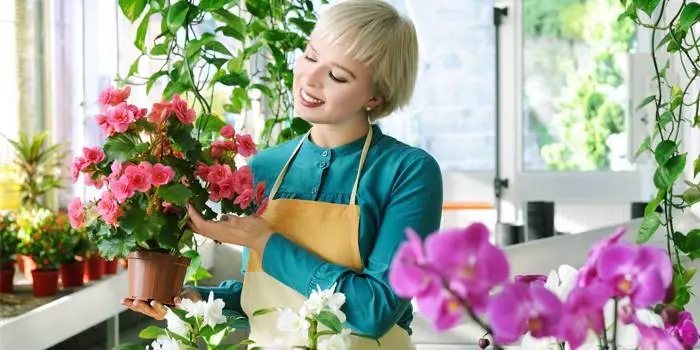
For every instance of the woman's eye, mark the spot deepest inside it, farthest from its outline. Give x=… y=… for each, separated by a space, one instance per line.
x=309 y=58
x=335 y=78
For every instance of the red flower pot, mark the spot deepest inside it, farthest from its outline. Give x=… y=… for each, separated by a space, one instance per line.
x=93 y=269
x=72 y=274
x=45 y=282
x=7 y=273
x=111 y=267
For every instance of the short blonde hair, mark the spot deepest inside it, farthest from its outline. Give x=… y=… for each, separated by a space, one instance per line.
x=376 y=34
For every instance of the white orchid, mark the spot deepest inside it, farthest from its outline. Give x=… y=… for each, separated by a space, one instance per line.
x=562 y=281
x=320 y=299
x=290 y=321
x=213 y=311
x=163 y=342
x=193 y=308
x=177 y=325
x=336 y=342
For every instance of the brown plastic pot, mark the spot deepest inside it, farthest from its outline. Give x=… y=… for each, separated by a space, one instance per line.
x=45 y=282
x=111 y=267
x=72 y=274
x=7 y=273
x=156 y=276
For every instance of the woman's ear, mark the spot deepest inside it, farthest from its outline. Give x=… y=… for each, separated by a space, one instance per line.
x=373 y=102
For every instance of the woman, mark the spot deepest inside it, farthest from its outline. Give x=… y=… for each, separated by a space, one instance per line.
x=343 y=195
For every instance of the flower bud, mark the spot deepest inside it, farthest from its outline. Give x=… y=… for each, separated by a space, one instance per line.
x=484 y=343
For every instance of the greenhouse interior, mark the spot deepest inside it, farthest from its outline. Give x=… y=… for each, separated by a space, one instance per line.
x=349 y=174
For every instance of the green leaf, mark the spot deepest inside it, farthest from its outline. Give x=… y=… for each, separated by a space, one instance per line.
x=195 y=263
x=234 y=79
x=132 y=9
x=647 y=100
x=691 y=195
x=679 y=240
x=647 y=229
x=696 y=166
x=134 y=222
x=151 y=332
x=209 y=123
x=661 y=179
x=218 y=47
x=141 y=31
x=646 y=143
x=264 y=89
x=682 y=297
x=675 y=166
x=274 y=35
x=689 y=16
x=305 y=26
x=153 y=78
x=664 y=151
x=214 y=4
x=119 y=147
x=257 y=8
x=691 y=242
x=176 y=193
x=300 y=126
x=116 y=246
x=676 y=97
x=177 y=15
x=654 y=203
x=160 y=49
x=263 y=311
x=181 y=135
x=648 y=6
x=134 y=67
x=235 y=26
x=665 y=118
x=329 y=320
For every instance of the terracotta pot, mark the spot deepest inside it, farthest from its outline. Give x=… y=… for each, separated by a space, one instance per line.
x=7 y=273
x=110 y=267
x=156 y=276
x=72 y=274
x=45 y=282
x=93 y=269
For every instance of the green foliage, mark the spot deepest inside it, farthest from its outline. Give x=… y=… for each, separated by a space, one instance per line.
x=8 y=236
x=205 y=60
x=554 y=18
x=46 y=237
x=39 y=168
x=669 y=105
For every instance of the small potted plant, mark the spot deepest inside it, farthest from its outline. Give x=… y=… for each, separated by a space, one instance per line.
x=73 y=249
x=8 y=249
x=40 y=234
x=151 y=165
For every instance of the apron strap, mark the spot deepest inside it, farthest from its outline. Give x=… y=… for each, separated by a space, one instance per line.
x=363 y=156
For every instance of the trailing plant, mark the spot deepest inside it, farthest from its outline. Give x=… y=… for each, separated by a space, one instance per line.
x=674 y=109
x=247 y=46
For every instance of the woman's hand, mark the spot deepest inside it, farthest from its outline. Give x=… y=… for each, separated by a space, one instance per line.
x=155 y=309
x=249 y=231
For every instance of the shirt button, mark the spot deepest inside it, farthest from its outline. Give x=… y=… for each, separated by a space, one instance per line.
x=325 y=153
x=314 y=190
x=323 y=164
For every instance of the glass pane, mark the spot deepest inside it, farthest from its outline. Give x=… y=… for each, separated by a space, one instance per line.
x=452 y=114
x=575 y=58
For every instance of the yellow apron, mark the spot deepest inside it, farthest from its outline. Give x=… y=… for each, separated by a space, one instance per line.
x=328 y=230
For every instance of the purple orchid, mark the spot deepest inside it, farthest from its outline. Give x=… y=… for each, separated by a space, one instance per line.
x=654 y=338
x=683 y=328
x=409 y=275
x=531 y=279
x=520 y=308
x=642 y=273
x=583 y=312
x=588 y=273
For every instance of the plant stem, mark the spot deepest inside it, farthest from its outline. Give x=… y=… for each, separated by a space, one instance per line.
x=614 y=336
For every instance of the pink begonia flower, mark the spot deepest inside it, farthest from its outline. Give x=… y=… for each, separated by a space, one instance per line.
x=183 y=113
x=654 y=338
x=243 y=179
x=521 y=308
x=102 y=180
x=683 y=328
x=226 y=187
x=93 y=155
x=260 y=191
x=103 y=123
x=261 y=208
x=202 y=171
x=162 y=174
x=137 y=112
x=214 y=193
x=468 y=261
x=139 y=177
x=79 y=164
x=112 y=97
x=215 y=152
x=120 y=117
x=113 y=219
x=159 y=113
x=531 y=279
x=116 y=168
x=169 y=208
x=76 y=213
x=583 y=311
x=107 y=205
x=588 y=273
x=243 y=199
x=643 y=273
x=409 y=274
x=121 y=188
x=185 y=181
x=246 y=146
x=227 y=131
x=218 y=147
x=218 y=173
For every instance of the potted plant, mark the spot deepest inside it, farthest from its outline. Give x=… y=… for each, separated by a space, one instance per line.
x=72 y=249
x=40 y=234
x=151 y=165
x=8 y=249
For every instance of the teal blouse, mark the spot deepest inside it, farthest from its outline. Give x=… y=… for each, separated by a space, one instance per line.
x=400 y=187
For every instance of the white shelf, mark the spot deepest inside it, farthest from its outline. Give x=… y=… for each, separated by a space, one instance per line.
x=65 y=317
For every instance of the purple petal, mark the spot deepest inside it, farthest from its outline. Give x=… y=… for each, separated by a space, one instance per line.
x=653 y=257
x=531 y=279
x=648 y=290
x=477 y=234
x=507 y=313
x=448 y=251
x=406 y=276
x=477 y=298
x=573 y=330
x=438 y=306
x=492 y=267
x=616 y=260
x=416 y=244
x=653 y=338
x=688 y=333
x=549 y=308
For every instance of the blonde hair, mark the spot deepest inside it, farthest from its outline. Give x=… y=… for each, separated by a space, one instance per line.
x=376 y=34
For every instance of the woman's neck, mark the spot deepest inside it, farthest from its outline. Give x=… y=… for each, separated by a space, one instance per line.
x=334 y=135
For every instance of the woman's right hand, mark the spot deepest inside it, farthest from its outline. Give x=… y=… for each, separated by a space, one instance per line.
x=157 y=310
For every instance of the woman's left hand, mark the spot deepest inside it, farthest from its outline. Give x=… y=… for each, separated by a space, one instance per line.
x=249 y=231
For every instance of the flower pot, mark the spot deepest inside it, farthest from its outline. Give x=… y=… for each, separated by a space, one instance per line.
x=7 y=273
x=110 y=267
x=45 y=282
x=72 y=274
x=156 y=276
x=93 y=269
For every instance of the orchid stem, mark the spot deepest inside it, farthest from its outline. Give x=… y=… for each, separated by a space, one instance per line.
x=614 y=336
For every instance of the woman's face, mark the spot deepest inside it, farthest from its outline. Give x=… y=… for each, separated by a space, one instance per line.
x=329 y=86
